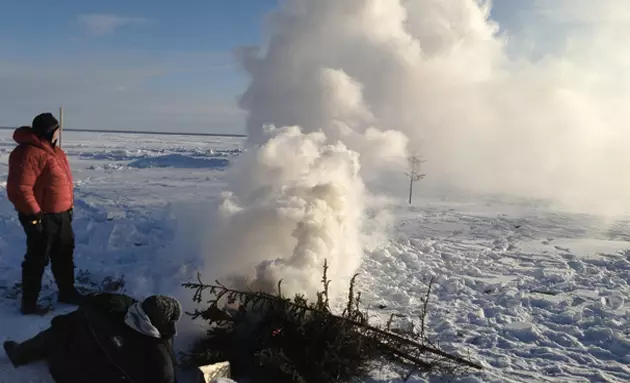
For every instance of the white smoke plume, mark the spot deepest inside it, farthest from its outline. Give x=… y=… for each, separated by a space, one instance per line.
x=294 y=203
x=370 y=81
x=489 y=111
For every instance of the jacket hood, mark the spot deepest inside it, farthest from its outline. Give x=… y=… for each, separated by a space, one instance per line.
x=25 y=135
x=138 y=320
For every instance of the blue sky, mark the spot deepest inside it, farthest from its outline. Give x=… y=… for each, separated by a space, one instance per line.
x=151 y=64
x=132 y=64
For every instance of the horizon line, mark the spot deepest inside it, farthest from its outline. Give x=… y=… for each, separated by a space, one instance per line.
x=146 y=132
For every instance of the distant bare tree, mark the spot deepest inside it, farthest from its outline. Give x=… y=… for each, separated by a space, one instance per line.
x=414 y=173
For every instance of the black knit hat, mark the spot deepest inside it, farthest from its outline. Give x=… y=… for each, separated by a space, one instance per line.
x=164 y=312
x=44 y=124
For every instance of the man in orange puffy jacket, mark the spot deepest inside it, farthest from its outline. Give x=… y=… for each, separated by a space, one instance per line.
x=40 y=187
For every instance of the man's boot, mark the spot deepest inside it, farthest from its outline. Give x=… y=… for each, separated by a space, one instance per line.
x=32 y=349
x=10 y=348
x=70 y=296
x=30 y=307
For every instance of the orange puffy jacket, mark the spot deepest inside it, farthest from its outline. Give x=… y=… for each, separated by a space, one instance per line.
x=39 y=179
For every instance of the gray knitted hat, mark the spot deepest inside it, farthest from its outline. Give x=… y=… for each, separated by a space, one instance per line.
x=164 y=312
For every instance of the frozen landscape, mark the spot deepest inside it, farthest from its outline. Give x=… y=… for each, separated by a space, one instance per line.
x=522 y=221
x=533 y=293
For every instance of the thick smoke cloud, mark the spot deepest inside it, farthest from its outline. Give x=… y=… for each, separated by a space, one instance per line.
x=488 y=118
x=353 y=87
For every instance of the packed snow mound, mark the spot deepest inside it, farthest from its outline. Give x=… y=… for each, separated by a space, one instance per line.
x=181 y=162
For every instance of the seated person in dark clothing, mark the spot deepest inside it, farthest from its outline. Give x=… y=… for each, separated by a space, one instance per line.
x=109 y=338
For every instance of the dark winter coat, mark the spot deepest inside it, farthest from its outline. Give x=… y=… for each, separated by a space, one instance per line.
x=98 y=347
x=39 y=175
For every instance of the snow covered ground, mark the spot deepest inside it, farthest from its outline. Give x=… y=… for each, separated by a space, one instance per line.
x=533 y=294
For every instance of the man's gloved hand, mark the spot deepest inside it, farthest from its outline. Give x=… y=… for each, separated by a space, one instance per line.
x=36 y=221
x=71 y=213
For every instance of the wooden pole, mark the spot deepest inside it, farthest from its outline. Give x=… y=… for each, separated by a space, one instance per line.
x=410 y=187
x=414 y=173
x=60 y=124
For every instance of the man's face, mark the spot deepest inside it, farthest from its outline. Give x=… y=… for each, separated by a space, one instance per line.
x=55 y=137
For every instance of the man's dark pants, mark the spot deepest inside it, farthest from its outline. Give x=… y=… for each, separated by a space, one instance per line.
x=51 y=242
